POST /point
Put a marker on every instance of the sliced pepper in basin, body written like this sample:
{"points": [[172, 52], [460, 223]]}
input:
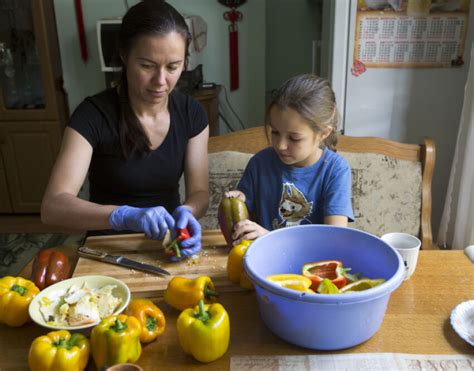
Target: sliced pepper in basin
{"points": [[292, 281], [362, 284], [330, 269], [327, 287]]}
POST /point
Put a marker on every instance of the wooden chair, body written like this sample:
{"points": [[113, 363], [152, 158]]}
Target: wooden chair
{"points": [[410, 167]]}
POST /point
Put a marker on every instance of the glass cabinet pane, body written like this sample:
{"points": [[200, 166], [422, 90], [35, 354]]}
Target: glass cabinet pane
{"points": [[20, 70]]}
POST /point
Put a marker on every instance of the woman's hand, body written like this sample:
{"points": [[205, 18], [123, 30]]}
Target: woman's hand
{"points": [[185, 219], [153, 221], [247, 230]]}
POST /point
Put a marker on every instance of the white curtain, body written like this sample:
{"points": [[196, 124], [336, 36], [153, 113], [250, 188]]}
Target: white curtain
{"points": [[457, 222]]}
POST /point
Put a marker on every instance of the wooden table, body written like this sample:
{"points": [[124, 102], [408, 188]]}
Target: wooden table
{"points": [[416, 322]]}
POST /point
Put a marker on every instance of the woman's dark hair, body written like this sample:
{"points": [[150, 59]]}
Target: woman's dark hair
{"points": [[148, 17], [313, 98]]}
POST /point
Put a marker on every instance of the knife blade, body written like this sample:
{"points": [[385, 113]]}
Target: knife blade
{"points": [[87, 252]]}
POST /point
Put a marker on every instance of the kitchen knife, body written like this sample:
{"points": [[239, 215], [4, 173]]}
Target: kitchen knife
{"points": [[87, 252]]}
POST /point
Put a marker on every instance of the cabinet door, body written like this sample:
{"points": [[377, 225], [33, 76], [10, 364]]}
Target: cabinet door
{"points": [[209, 99], [29, 151], [5, 204], [29, 68]]}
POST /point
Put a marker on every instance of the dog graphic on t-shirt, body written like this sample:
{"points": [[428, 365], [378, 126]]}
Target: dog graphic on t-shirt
{"points": [[294, 207]]}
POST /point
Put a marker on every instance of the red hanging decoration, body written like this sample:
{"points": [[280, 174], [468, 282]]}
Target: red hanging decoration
{"points": [[233, 16], [81, 31]]}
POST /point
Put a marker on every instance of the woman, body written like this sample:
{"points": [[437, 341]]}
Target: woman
{"points": [[136, 141]]}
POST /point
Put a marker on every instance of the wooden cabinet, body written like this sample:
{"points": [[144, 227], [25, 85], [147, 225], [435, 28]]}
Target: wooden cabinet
{"points": [[5, 203], [209, 99], [29, 151], [33, 107]]}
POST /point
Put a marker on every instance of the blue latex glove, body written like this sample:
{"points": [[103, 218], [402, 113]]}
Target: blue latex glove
{"points": [[153, 221], [185, 219]]}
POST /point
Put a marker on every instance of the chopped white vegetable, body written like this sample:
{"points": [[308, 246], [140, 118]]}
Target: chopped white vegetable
{"points": [[79, 305]]}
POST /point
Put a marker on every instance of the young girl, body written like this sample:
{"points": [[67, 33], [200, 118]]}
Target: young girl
{"points": [[299, 179]]}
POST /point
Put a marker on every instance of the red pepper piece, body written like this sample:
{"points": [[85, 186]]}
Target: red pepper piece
{"points": [[50, 266], [330, 269], [174, 247], [183, 234]]}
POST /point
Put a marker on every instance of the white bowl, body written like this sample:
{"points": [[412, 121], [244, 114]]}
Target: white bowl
{"points": [[94, 282], [462, 320]]}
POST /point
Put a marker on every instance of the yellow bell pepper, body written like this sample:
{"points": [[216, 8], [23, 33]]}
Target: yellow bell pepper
{"points": [[235, 267], [182, 293], [151, 318], [116, 339], [204, 332], [59, 350], [292, 281], [16, 294]]}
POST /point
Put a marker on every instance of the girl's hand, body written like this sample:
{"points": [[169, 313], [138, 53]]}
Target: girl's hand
{"points": [[235, 194], [247, 230]]}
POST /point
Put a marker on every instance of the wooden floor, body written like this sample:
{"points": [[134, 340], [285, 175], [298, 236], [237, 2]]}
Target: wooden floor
{"points": [[29, 223]]}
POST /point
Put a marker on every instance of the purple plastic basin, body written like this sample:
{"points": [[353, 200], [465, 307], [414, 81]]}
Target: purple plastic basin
{"points": [[316, 321]]}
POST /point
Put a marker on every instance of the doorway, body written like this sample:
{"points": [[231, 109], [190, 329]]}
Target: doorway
{"points": [[294, 37]]}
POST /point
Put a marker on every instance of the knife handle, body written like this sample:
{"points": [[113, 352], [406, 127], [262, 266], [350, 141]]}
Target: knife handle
{"points": [[91, 253]]}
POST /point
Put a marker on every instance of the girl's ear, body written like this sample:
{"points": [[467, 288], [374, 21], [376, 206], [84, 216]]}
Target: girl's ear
{"points": [[325, 133]]}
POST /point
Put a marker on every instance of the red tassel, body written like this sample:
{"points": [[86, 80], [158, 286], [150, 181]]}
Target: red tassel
{"points": [[234, 58], [80, 30], [233, 16]]}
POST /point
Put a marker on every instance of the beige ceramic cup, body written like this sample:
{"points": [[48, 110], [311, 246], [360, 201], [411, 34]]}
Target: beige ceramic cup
{"points": [[408, 247]]}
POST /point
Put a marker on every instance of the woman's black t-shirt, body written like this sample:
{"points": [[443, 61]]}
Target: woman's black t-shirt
{"points": [[140, 181]]}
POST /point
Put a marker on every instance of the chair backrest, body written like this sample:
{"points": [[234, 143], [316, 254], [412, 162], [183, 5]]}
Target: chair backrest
{"points": [[391, 181]]}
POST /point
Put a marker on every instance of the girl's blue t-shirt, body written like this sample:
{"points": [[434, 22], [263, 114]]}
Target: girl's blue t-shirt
{"points": [[280, 195]]}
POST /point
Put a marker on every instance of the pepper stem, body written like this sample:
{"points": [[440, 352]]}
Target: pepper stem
{"points": [[118, 326], [208, 293], [62, 343], [67, 344], [176, 249], [19, 289], [74, 339], [151, 323], [203, 315]]}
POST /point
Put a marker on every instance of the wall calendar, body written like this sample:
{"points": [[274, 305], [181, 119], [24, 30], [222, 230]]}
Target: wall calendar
{"points": [[410, 33]]}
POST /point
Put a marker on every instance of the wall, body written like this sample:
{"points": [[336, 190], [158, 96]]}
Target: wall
{"points": [[407, 104], [83, 79], [400, 104], [291, 28]]}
